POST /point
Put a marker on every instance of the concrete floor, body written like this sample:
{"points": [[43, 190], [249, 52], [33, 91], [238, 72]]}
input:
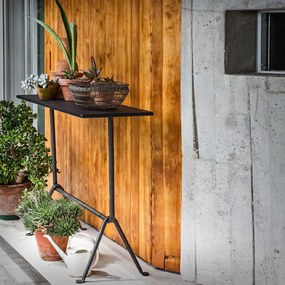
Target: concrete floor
{"points": [[114, 266], [14, 269]]}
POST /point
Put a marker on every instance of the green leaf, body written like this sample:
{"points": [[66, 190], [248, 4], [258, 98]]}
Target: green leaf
{"points": [[56, 37], [66, 25], [73, 28]]}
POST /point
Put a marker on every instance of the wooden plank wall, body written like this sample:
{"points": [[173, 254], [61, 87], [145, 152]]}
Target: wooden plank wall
{"points": [[139, 42]]}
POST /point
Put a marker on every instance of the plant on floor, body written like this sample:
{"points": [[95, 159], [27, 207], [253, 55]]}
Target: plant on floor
{"points": [[39, 212], [23, 154], [24, 158], [42, 215]]}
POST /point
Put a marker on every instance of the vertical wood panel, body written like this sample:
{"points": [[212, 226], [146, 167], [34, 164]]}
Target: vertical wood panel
{"points": [[145, 82], [171, 130], [134, 101], [139, 42], [157, 126]]}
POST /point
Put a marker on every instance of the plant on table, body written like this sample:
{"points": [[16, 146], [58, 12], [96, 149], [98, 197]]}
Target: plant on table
{"points": [[93, 72], [70, 50], [68, 47], [46, 88], [32, 81], [100, 93]]}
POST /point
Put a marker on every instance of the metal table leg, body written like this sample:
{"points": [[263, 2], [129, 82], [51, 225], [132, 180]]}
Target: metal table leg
{"points": [[53, 146], [112, 218], [106, 220]]}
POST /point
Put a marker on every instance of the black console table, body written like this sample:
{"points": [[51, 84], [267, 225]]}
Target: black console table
{"points": [[74, 110]]}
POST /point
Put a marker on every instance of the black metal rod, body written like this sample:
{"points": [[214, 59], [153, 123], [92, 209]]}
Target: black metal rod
{"points": [[103, 226], [111, 168], [53, 146], [128, 247], [60, 190], [53, 188]]}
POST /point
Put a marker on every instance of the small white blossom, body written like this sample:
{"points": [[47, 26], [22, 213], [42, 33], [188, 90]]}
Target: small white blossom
{"points": [[32, 81]]}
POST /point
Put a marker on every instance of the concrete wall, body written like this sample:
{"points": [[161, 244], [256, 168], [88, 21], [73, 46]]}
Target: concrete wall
{"points": [[233, 138]]}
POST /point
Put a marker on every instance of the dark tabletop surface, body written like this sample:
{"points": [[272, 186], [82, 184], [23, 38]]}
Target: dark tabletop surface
{"points": [[71, 108]]}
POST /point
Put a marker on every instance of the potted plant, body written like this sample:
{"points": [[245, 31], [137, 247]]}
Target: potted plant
{"points": [[68, 46], [46, 89], [42, 215], [24, 158], [99, 93]]}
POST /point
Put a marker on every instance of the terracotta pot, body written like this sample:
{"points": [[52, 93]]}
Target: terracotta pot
{"points": [[48, 93], [9, 199], [61, 66], [45, 248], [64, 90]]}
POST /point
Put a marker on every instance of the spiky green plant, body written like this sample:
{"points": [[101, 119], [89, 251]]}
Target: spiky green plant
{"points": [[94, 72], [39, 211], [71, 35]]}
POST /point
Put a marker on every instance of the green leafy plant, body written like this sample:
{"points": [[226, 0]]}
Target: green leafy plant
{"points": [[54, 217], [23, 154], [71, 35]]}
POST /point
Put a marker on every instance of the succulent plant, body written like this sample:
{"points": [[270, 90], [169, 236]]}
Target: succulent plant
{"points": [[32, 81], [54, 217], [68, 74], [94, 72], [109, 79]]}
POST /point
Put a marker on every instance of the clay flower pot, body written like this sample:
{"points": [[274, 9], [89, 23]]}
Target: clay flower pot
{"points": [[64, 90], [48, 93], [10, 196], [46, 249]]}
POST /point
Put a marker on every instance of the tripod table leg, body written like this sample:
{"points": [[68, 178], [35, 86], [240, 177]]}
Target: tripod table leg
{"points": [[128, 247], [103, 226]]}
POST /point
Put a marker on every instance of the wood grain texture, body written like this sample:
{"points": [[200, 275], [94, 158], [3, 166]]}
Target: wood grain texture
{"points": [[139, 42]]}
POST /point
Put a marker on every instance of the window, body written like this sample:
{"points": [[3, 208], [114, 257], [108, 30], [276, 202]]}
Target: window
{"points": [[21, 48], [271, 42], [255, 42], [240, 42]]}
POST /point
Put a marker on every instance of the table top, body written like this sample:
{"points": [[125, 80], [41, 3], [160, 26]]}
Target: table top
{"points": [[71, 108]]}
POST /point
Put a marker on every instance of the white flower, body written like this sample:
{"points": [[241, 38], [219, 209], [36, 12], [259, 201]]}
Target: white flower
{"points": [[32, 81]]}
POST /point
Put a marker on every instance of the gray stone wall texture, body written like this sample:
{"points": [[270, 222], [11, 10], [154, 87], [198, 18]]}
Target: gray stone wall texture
{"points": [[233, 136]]}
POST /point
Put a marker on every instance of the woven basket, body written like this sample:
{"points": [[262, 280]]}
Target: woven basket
{"points": [[99, 95]]}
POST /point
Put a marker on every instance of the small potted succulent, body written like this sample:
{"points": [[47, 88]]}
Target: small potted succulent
{"points": [[24, 158], [42, 215], [99, 93], [46, 88]]}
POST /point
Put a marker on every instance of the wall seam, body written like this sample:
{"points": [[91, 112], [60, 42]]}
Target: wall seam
{"points": [[195, 127], [252, 188]]}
